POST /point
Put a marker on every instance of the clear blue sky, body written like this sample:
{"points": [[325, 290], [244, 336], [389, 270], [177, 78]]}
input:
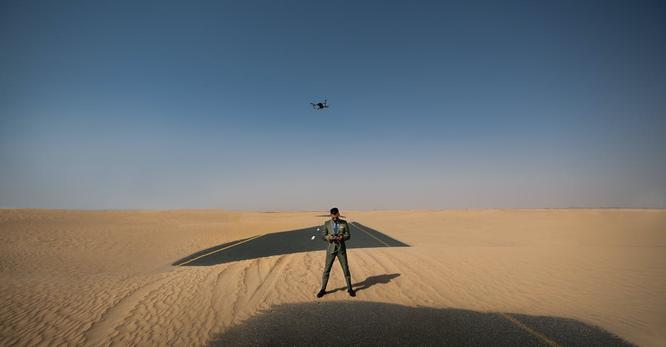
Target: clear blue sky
{"points": [[467, 104]]}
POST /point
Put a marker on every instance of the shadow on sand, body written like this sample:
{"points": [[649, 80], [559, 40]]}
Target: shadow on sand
{"points": [[367, 283], [343, 323]]}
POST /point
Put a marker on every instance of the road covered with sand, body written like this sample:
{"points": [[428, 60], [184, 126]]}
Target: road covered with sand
{"points": [[100, 277]]}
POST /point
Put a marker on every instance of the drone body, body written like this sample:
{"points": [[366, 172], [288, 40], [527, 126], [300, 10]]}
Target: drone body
{"points": [[320, 105]]}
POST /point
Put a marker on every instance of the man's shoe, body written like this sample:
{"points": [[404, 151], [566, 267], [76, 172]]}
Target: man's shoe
{"points": [[321, 293], [351, 292]]}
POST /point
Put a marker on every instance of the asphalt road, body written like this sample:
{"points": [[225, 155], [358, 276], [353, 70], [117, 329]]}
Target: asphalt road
{"points": [[285, 242]]}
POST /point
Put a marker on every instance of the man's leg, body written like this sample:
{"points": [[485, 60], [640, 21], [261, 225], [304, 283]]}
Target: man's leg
{"points": [[330, 257], [342, 256]]}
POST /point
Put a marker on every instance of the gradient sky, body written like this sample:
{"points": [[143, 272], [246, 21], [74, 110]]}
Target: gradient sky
{"points": [[469, 104]]}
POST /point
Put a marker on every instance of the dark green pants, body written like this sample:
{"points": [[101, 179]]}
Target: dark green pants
{"points": [[330, 257]]}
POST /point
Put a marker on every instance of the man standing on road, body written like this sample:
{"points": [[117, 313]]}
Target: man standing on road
{"points": [[336, 232]]}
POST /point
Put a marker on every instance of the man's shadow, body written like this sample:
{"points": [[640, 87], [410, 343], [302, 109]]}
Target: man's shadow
{"points": [[368, 282]]}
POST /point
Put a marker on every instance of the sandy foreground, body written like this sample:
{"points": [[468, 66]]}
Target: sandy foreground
{"points": [[102, 277]]}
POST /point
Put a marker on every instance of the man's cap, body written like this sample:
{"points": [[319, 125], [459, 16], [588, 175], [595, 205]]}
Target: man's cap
{"points": [[334, 210]]}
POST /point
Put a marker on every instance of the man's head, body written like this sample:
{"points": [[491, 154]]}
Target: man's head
{"points": [[335, 214]]}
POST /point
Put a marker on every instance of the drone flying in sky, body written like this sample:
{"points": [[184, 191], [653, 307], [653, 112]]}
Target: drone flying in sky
{"points": [[319, 105]]}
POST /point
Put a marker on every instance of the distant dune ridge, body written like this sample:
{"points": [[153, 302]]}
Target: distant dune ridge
{"points": [[100, 277]]}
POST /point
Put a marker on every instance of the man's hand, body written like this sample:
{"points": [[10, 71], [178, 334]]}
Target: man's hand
{"points": [[335, 237]]}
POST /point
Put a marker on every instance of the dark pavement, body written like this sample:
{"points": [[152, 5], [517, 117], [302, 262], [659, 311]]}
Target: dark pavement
{"points": [[285, 242]]}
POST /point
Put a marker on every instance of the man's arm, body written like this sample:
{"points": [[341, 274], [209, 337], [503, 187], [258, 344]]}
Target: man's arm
{"points": [[346, 235]]}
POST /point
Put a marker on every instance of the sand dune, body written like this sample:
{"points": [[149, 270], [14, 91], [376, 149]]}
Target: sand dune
{"points": [[102, 277]]}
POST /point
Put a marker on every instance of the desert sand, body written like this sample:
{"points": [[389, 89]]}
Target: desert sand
{"points": [[102, 277]]}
